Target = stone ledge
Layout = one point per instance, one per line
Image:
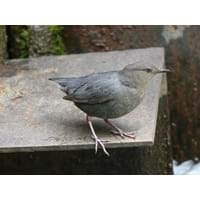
(33, 116)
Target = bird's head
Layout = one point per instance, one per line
(145, 70)
(142, 74)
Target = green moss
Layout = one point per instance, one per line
(59, 47)
(20, 41)
(2, 43)
(24, 42)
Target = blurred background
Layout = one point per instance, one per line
(182, 56)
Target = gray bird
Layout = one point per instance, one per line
(109, 95)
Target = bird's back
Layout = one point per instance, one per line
(90, 89)
(104, 95)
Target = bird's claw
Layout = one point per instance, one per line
(100, 142)
(124, 134)
(118, 131)
(101, 139)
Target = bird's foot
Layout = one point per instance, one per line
(100, 142)
(104, 141)
(118, 131)
(123, 134)
(96, 139)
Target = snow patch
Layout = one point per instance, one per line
(188, 167)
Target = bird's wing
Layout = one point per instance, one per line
(91, 89)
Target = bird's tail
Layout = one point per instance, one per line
(67, 86)
(63, 82)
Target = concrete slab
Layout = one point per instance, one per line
(34, 117)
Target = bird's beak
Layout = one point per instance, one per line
(163, 71)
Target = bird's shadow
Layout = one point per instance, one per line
(58, 120)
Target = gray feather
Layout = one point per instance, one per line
(91, 89)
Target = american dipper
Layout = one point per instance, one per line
(108, 95)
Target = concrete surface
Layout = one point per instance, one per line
(34, 117)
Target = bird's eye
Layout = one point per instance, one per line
(148, 70)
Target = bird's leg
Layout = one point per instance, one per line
(119, 131)
(96, 139)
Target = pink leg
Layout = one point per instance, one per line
(119, 131)
(96, 139)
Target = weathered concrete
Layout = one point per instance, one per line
(34, 117)
(156, 159)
